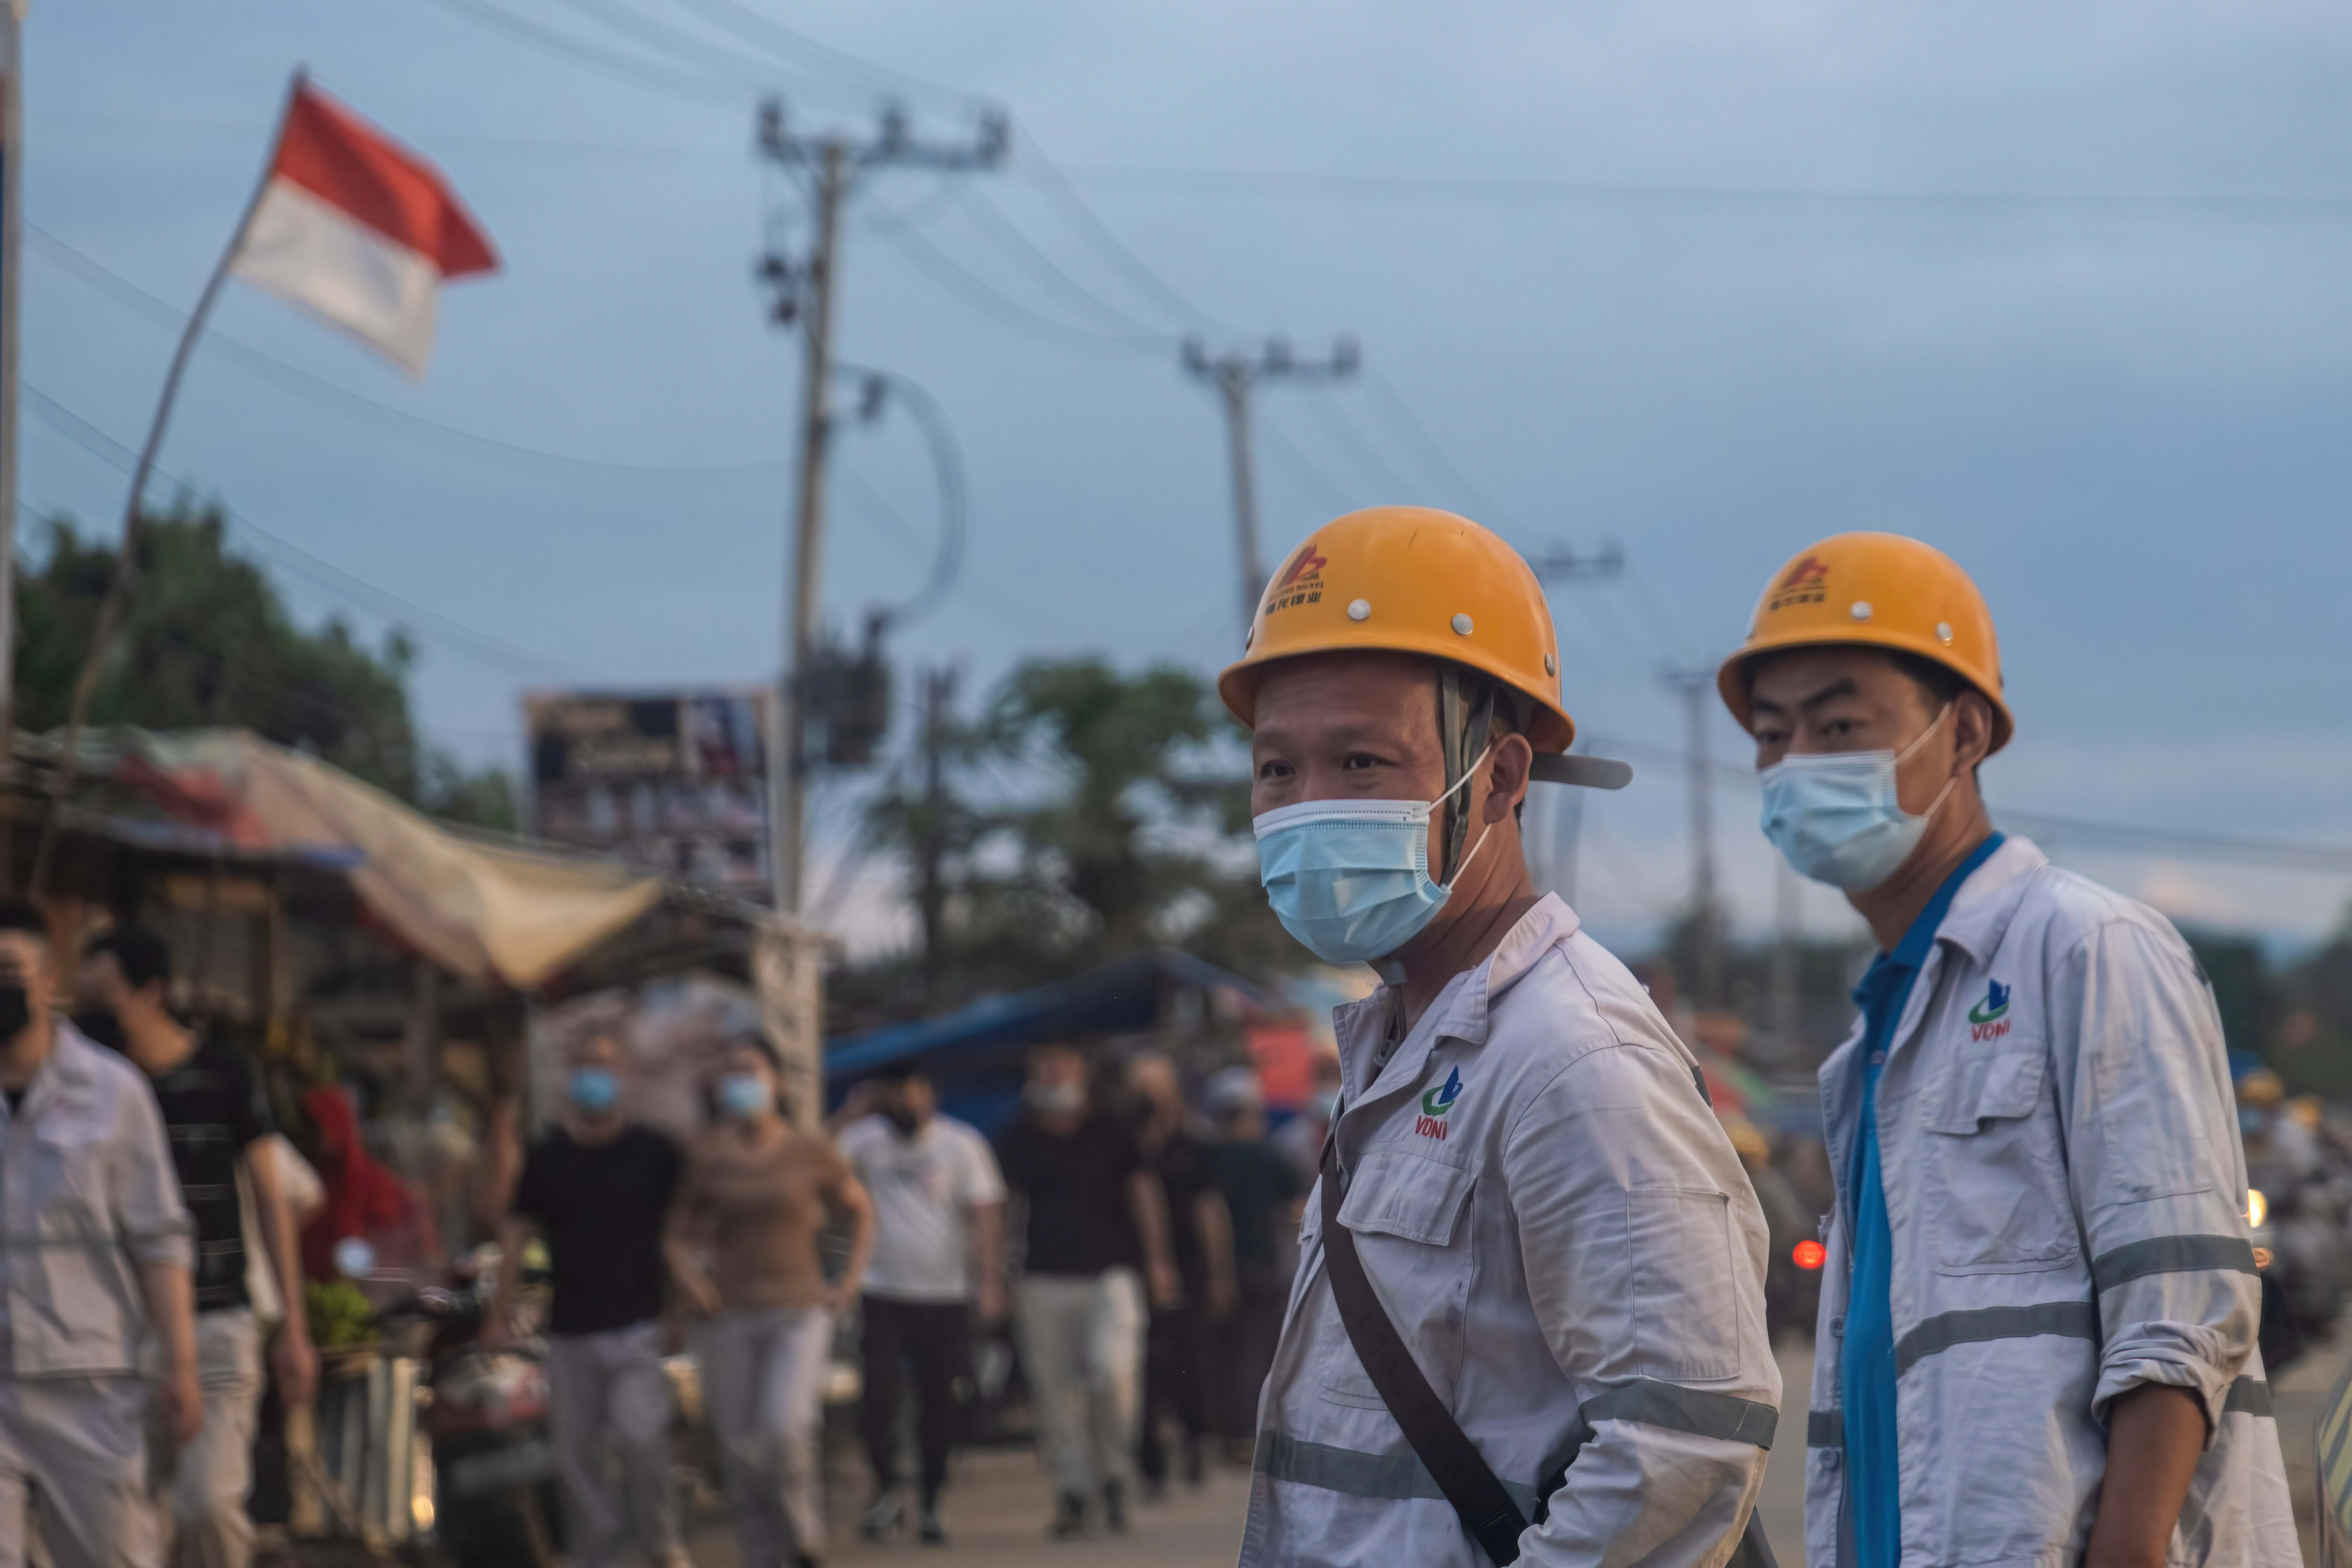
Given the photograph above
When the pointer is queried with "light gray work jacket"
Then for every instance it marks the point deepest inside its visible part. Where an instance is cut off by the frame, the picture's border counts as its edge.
(2059, 1148)
(88, 1194)
(1562, 1234)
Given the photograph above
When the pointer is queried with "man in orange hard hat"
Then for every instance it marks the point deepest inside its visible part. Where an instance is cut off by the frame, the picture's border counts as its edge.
(2038, 1312)
(1528, 1322)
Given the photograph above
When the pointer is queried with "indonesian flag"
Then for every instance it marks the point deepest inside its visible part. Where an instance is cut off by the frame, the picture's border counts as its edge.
(359, 230)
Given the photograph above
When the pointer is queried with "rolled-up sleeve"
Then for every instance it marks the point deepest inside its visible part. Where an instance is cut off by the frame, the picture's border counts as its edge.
(2157, 1174)
(148, 1215)
(1644, 1248)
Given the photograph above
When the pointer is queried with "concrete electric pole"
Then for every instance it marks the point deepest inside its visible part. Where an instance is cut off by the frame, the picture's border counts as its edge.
(1696, 687)
(1236, 376)
(806, 297)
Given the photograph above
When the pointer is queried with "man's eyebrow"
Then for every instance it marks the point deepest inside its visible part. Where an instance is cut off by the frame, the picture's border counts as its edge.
(1842, 687)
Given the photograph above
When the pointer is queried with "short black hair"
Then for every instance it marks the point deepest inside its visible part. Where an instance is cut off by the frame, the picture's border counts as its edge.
(764, 1046)
(142, 956)
(898, 1072)
(16, 914)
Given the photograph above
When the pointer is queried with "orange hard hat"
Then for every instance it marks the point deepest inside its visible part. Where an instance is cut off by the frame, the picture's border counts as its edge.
(1874, 590)
(1410, 579)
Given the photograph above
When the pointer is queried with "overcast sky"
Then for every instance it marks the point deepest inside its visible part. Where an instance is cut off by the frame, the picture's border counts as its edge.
(2061, 289)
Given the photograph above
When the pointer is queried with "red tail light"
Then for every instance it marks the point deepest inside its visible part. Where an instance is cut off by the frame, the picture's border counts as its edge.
(1809, 1254)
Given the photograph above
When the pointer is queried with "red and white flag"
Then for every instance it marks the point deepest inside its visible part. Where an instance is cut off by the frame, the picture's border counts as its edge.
(357, 229)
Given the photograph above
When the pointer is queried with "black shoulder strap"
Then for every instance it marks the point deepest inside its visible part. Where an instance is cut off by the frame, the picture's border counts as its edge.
(1446, 1451)
(1487, 1512)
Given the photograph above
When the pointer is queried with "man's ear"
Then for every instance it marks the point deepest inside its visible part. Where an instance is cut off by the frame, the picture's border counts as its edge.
(1972, 731)
(1507, 776)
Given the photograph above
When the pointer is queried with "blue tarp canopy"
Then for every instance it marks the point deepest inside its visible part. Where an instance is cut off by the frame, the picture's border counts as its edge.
(974, 1053)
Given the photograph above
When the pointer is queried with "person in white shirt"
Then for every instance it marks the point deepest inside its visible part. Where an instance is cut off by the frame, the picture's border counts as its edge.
(939, 1253)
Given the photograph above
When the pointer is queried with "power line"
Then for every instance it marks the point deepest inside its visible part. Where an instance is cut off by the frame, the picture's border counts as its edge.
(2292, 854)
(1022, 250)
(947, 468)
(752, 27)
(1529, 192)
(686, 48)
(949, 274)
(316, 569)
(268, 366)
(1345, 432)
(1090, 227)
(638, 70)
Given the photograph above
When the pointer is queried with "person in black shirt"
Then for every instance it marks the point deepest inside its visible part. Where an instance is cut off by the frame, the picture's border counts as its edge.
(1096, 1215)
(1261, 1190)
(216, 1117)
(1176, 1368)
(599, 1187)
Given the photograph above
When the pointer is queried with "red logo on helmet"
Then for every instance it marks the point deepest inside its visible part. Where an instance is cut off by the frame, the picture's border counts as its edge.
(1306, 563)
(1807, 571)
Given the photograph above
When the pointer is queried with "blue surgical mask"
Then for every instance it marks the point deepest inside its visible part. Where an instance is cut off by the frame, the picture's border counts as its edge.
(1350, 878)
(1836, 816)
(743, 1096)
(595, 1090)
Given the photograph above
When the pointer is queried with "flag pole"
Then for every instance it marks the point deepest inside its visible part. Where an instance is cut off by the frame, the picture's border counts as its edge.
(117, 587)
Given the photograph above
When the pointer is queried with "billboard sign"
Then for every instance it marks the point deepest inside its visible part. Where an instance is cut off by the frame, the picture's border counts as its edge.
(675, 782)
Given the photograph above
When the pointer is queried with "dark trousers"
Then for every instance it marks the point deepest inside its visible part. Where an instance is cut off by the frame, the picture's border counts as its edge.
(1246, 1346)
(934, 1338)
(1176, 1382)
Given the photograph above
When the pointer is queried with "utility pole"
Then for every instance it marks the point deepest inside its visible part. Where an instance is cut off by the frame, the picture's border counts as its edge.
(805, 295)
(12, 214)
(1697, 686)
(930, 882)
(1236, 376)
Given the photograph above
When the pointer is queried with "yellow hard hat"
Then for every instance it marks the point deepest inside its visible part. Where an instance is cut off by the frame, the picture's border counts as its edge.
(1410, 579)
(1878, 590)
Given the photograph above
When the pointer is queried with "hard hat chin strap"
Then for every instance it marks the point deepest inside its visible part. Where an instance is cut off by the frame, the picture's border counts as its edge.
(1462, 730)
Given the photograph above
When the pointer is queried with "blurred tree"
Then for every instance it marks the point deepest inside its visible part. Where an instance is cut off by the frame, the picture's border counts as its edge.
(1134, 841)
(206, 642)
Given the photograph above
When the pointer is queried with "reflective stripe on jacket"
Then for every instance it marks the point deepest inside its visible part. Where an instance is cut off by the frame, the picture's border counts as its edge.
(2063, 1178)
(1563, 1236)
(88, 1193)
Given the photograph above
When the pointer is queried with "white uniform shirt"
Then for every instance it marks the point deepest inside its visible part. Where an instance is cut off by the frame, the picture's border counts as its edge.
(1566, 1242)
(924, 1190)
(2064, 1183)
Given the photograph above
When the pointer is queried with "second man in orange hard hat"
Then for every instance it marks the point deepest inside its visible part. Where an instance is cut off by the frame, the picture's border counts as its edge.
(2039, 1305)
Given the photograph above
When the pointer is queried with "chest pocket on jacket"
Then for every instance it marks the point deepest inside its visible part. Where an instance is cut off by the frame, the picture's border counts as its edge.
(1996, 1193)
(1406, 1215)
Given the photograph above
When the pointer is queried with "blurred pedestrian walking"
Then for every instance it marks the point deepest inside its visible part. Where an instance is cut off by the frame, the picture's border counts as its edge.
(744, 1250)
(938, 1252)
(1177, 1382)
(1262, 1191)
(86, 1175)
(599, 1187)
(216, 1117)
(1096, 1232)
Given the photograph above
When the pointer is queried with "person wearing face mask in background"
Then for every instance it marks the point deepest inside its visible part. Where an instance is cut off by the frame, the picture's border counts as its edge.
(1261, 1190)
(1095, 1220)
(217, 1118)
(599, 1186)
(743, 1248)
(2039, 1310)
(1528, 1321)
(939, 1257)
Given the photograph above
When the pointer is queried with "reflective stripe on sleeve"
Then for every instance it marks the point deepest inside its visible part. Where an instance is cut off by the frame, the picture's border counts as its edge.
(2248, 1396)
(2073, 1319)
(1680, 1409)
(1397, 1477)
(2172, 1255)
(1824, 1428)
(1393, 1478)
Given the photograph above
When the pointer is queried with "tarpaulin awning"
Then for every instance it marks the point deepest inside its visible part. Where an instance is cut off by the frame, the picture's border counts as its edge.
(475, 908)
